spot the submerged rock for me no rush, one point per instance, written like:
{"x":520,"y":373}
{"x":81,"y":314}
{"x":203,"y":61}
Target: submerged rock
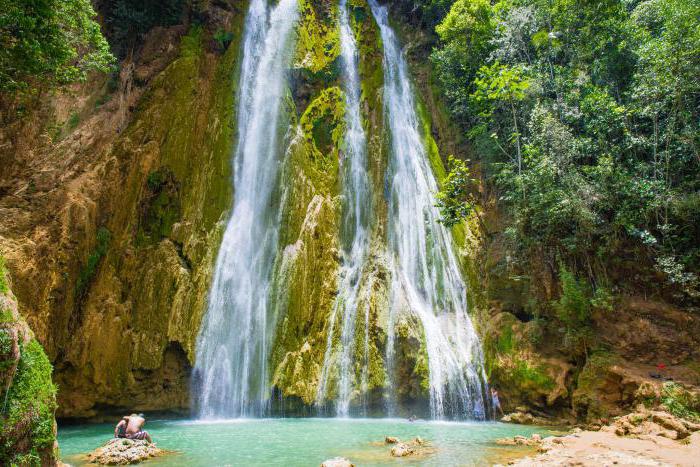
{"x":119,"y":451}
{"x":337,"y":462}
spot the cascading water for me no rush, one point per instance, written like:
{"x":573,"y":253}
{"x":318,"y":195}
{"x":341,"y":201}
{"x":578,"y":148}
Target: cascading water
{"x":354,"y":233}
{"x":233,"y":344}
{"x":426,"y":281}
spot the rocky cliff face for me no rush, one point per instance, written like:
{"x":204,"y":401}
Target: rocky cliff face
{"x":113,"y":197}
{"x":114,"y":193}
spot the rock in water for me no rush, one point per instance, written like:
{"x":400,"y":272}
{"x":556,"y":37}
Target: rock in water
{"x":337,"y":462}
{"x":391,"y":440}
{"x":402,"y":450}
{"x":119,"y":451}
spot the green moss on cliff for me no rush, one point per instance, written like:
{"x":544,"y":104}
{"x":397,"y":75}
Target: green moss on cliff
{"x":318,"y":44}
{"x":323,"y":127}
{"x":160,"y":208}
{"x":592,"y":382}
{"x":28,"y":413}
{"x":4,"y":286}
{"x":88,"y":271}
{"x":27,"y":392}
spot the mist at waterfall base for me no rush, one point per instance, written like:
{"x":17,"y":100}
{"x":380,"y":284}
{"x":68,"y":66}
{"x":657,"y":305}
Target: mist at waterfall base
{"x":306,"y":441}
{"x":231,"y":374}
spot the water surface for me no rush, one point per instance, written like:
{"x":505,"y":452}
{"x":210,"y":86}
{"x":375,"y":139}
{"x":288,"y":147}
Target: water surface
{"x":305,"y":441}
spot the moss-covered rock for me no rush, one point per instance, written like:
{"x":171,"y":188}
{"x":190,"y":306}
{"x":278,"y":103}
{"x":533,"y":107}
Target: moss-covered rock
{"x":306,"y":273}
{"x":318,"y":44}
{"x":27,"y":392}
{"x":134,"y":332}
{"x":523,"y":376}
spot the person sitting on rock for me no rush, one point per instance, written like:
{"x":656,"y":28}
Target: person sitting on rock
{"x":120,"y":429}
{"x":134,"y":429}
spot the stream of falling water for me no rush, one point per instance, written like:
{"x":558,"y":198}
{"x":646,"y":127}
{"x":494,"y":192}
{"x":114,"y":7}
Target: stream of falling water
{"x":426,"y":281}
{"x":355,"y":226}
{"x":231,"y":374}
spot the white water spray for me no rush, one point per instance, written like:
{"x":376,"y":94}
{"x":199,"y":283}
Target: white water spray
{"x":231,"y":373}
{"x":426,"y":280}
{"x":354,"y":235}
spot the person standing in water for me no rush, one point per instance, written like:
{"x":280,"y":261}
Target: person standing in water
{"x":496,"y":402}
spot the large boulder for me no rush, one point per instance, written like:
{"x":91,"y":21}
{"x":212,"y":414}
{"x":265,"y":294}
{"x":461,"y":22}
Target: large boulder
{"x":119,"y":451}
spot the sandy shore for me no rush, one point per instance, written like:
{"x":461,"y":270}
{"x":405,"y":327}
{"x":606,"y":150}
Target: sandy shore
{"x":641,"y":438}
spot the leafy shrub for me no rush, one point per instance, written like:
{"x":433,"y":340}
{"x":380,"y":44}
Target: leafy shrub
{"x":49,"y":41}
{"x":455,"y":201}
{"x":223,"y":38}
{"x":680,"y":402}
{"x":27,"y":418}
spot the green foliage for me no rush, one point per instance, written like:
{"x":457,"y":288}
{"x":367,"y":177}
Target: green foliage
{"x":573,"y":309}
{"x":73,"y":120}
{"x":496,"y":84}
{"x":4,"y":286}
{"x":160,"y":208}
{"x":88,"y":271}
{"x":586,"y":117}
{"x":49,"y":42}
{"x":464,"y":33}
{"x":6,"y":344}
{"x":129,"y":20}
{"x":455,"y":200}
{"x":28,"y":413}
{"x":527,"y":375}
{"x":680,"y":402}
{"x":223,"y":38}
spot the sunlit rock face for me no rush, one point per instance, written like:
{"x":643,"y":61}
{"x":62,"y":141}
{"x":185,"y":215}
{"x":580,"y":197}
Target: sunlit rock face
{"x":232,"y":221}
{"x":335,"y":289}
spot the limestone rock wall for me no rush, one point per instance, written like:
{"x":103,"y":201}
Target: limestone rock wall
{"x":116,"y":192}
{"x":114,"y":218}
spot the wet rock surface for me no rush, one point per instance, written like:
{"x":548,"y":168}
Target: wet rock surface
{"x":119,"y":451}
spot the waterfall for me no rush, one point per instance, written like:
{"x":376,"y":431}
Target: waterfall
{"x":426,"y":281}
{"x":231,"y":374}
{"x":355,"y":226}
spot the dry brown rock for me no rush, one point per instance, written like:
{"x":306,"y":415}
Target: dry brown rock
{"x":523,"y":418}
{"x":519,"y":440}
{"x":670,"y":422}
